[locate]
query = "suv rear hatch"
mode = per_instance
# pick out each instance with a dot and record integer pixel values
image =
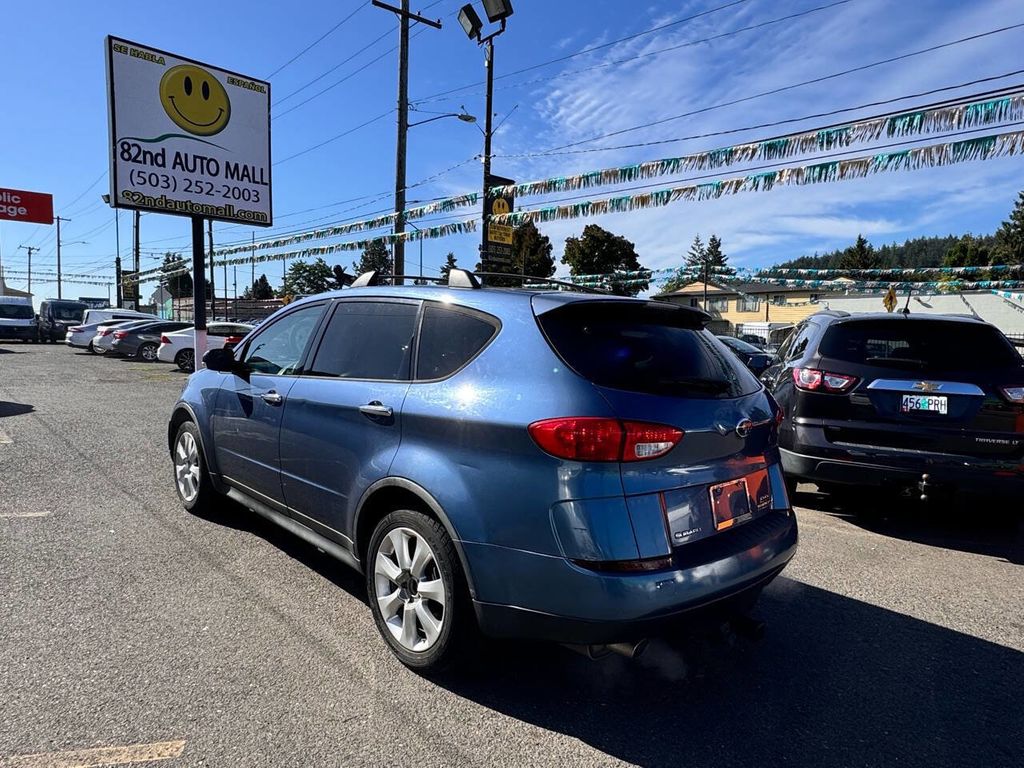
(923, 384)
(654, 363)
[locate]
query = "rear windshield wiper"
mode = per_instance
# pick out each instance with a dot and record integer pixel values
(899, 362)
(693, 382)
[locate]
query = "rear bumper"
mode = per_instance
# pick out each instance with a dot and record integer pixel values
(813, 457)
(18, 332)
(541, 597)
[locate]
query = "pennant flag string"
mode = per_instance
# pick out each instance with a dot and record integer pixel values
(929, 156)
(427, 233)
(946, 118)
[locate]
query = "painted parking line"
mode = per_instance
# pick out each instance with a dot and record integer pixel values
(24, 514)
(100, 756)
(5, 438)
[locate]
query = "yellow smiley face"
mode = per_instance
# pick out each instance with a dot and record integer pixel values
(195, 100)
(499, 206)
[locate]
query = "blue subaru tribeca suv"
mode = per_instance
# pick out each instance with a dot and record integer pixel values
(566, 466)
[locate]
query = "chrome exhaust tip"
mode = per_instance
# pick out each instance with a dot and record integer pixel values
(630, 650)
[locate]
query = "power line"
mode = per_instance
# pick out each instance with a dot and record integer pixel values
(87, 190)
(337, 66)
(787, 121)
(318, 40)
(590, 49)
(336, 137)
(791, 87)
(646, 54)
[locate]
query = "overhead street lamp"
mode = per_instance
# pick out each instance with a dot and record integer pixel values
(466, 118)
(497, 11)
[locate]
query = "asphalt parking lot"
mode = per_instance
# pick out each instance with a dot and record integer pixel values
(895, 638)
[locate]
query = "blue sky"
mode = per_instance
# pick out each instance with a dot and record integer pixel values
(53, 134)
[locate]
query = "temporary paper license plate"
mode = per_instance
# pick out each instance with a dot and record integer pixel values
(730, 503)
(929, 403)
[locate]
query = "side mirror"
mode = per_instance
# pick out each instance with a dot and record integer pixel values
(222, 360)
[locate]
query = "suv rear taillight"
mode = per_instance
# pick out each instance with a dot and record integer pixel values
(75, 329)
(813, 380)
(164, 340)
(106, 332)
(120, 334)
(599, 439)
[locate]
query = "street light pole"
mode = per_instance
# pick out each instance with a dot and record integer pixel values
(489, 64)
(31, 249)
(58, 219)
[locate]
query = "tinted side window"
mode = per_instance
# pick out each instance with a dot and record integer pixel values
(800, 341)
(368, 340)
(278, 349)
(448, 340)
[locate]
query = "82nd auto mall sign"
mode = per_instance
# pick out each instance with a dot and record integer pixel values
(187, 138)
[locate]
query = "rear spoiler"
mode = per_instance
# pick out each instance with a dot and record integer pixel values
(690, 317)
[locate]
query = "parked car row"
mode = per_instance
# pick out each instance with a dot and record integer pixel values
(151, 339)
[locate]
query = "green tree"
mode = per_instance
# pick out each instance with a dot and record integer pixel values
(968, 251)
(860, 255)
(599, 252)
(448, 265)
(531, 256)
(713, 253)
(1009, 245)
(698, 253)
(180, 285)
(305, 278)
(375, 258)
(261, 289)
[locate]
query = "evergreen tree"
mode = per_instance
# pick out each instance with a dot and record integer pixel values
(713, 253)
(375, 258)
(698, 253)
(861, 255)
(599, 252)
(968, 251)
(260, 290)
(1009, 245)
(180, 285)
(448, 265)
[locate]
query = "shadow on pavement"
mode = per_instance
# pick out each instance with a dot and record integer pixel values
(835, 682)
(14, 409)
(231, 515)
(992, 527)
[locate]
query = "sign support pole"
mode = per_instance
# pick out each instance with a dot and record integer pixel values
(198, 290)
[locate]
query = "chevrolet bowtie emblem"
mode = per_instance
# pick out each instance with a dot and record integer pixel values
(927, 386)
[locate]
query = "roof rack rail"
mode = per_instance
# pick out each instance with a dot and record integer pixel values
(530, 278)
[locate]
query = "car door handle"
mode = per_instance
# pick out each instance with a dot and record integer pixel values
(376, 409)
(272, 397)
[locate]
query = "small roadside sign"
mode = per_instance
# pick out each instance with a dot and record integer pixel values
(889, 302)
(498, 236)
(30, 207)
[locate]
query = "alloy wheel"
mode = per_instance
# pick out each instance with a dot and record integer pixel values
(186, 467)
(148, 353)
(409, 589)
(187, 360)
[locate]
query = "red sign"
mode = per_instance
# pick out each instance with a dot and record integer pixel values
(33, 207)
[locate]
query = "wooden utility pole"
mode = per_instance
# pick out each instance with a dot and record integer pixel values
(58, 219)
(404, 15)
(31, 249)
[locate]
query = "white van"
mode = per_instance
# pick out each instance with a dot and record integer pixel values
(93, 316)
(17, 319)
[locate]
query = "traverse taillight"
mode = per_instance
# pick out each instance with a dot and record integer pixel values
(599, 439)
(813, 380)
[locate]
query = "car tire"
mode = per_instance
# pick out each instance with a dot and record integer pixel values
(147, 352)
(191, 478)
(429, 631)
(186, 360)
(90, 349)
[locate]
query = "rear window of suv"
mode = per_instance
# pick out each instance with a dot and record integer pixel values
(919, 345)
(652, 348)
